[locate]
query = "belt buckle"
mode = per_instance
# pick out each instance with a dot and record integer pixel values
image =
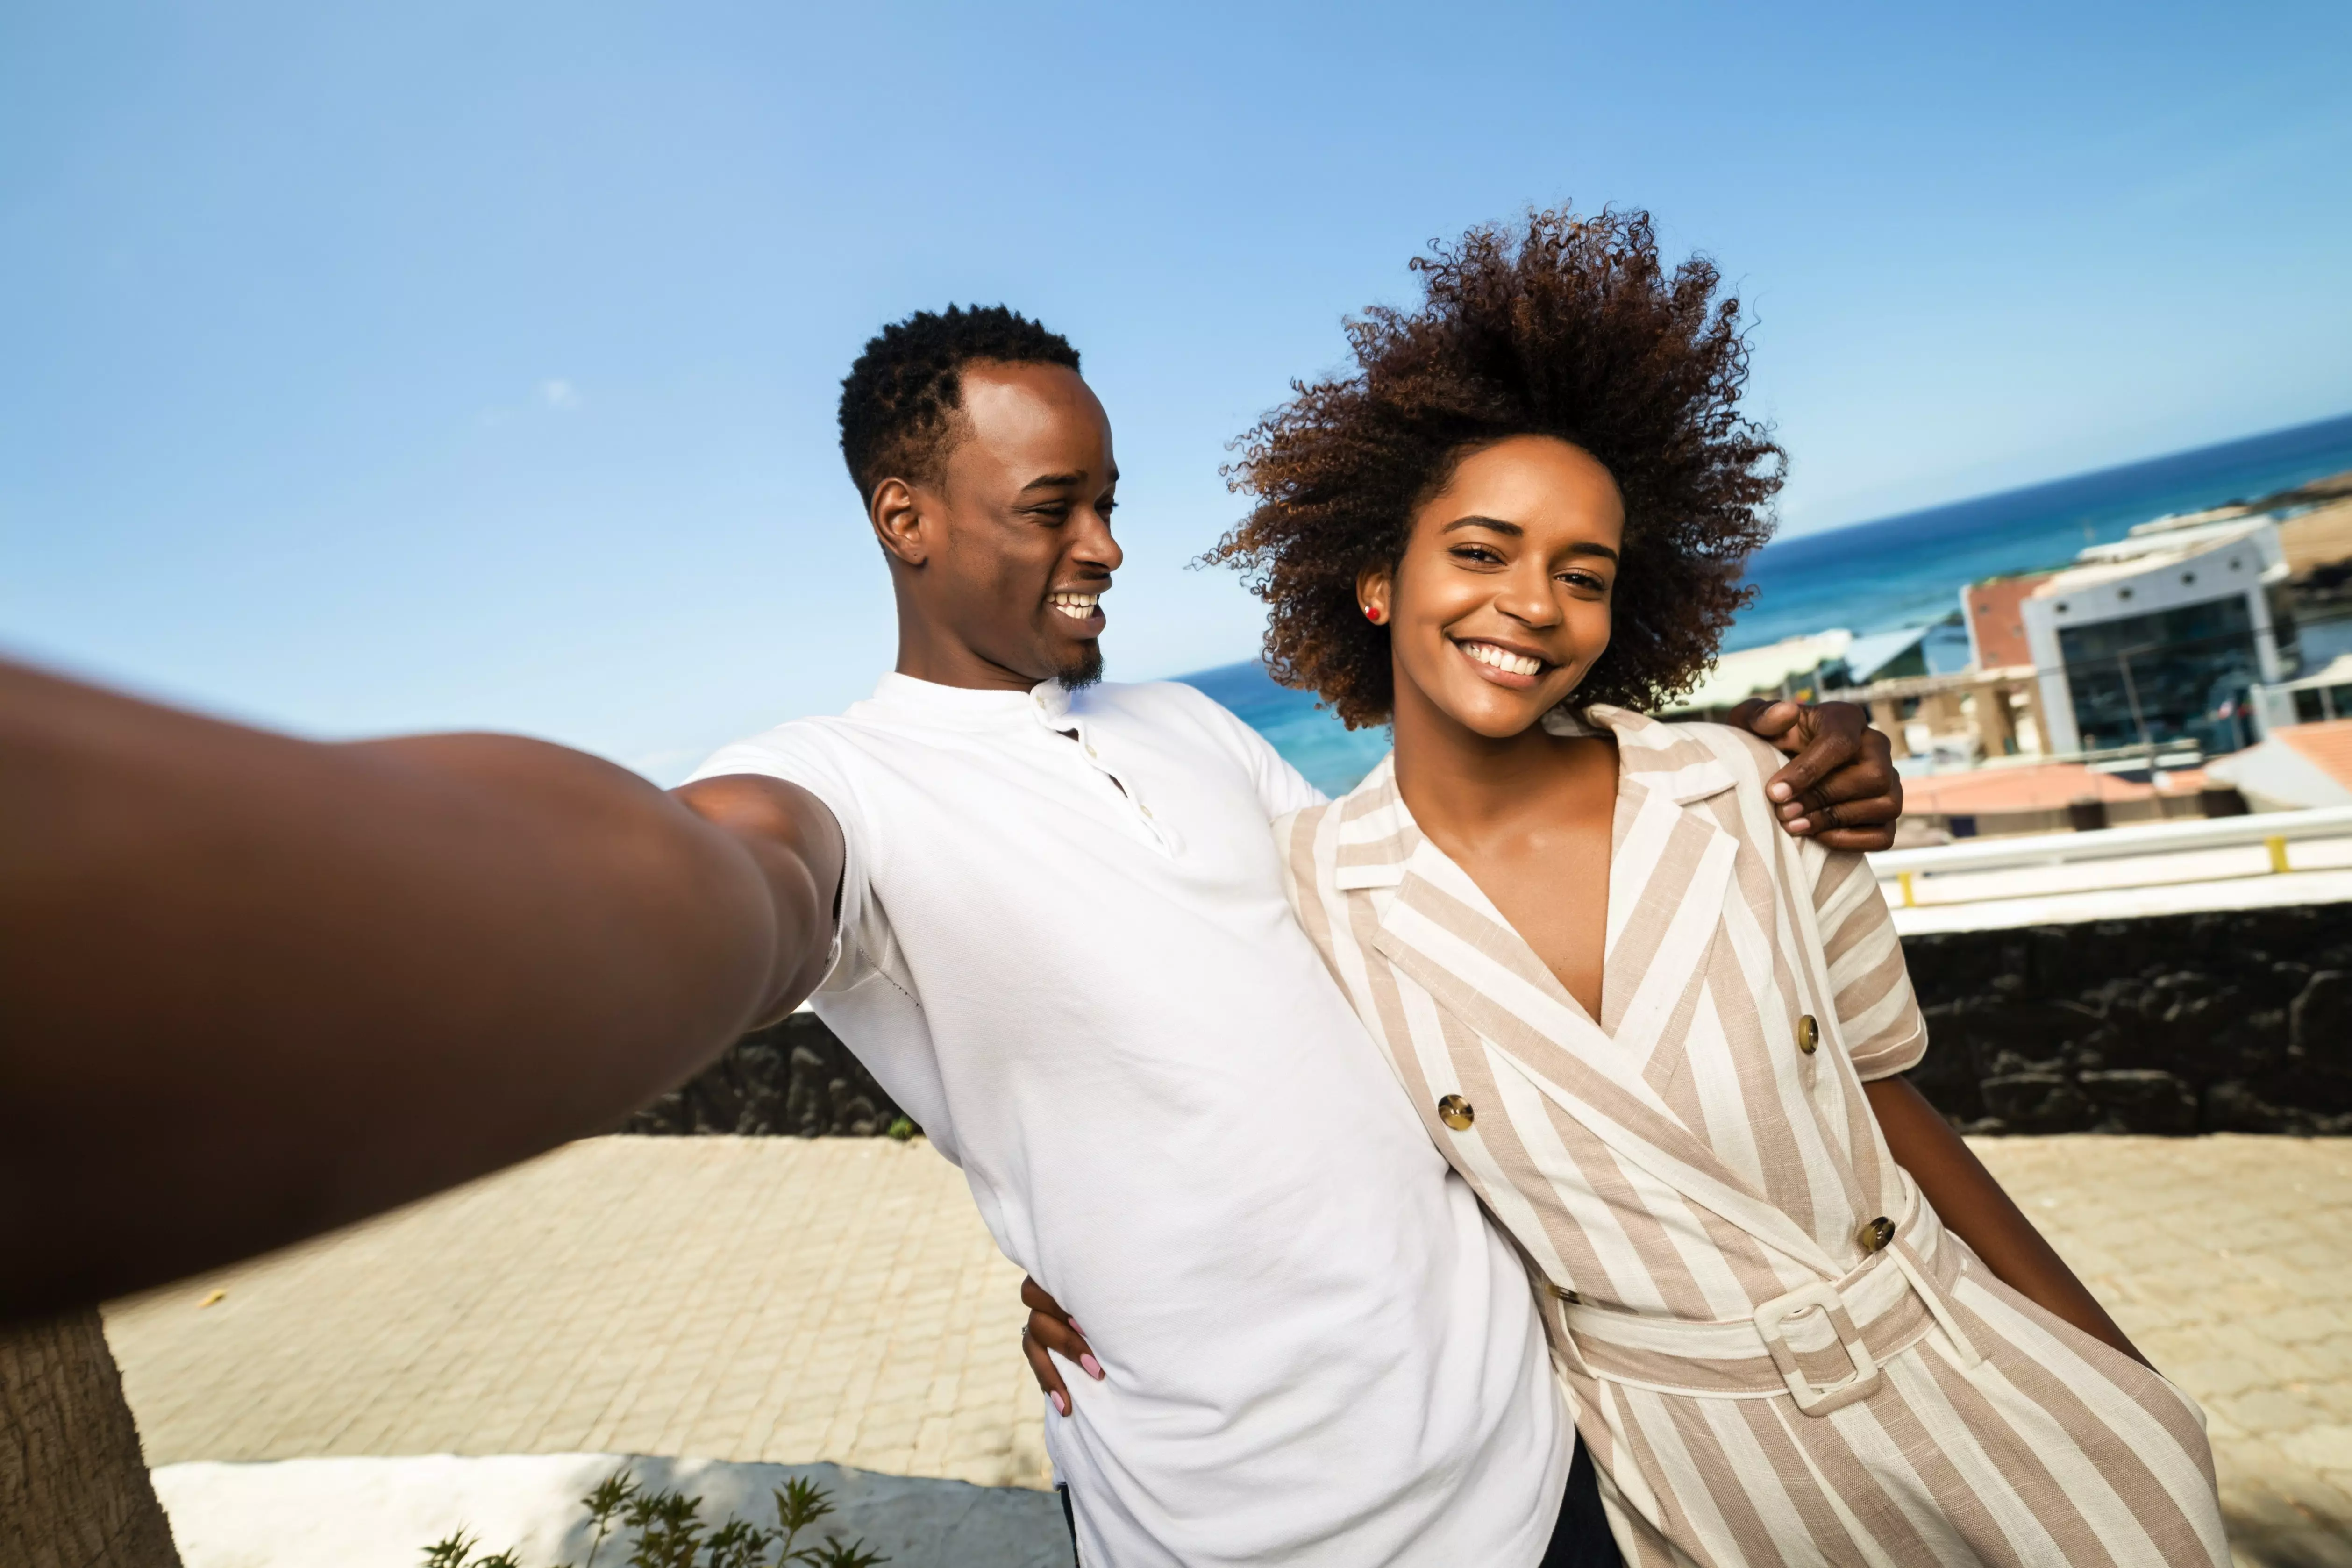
(1812, 1399)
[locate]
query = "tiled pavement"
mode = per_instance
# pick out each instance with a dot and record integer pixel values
(2229, 1261)
(731, 1298)
(795, 1301)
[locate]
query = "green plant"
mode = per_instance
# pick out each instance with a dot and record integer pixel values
(901, 1128)
(670, 1534)
(669, 1530)
(800, 1503)
(612, 1495)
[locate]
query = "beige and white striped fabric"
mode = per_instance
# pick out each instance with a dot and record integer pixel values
(1762, 1376)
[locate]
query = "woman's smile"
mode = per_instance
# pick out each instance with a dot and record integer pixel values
(1506, 666)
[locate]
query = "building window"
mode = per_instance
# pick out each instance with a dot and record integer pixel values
(2307, 706)
(2164, 677)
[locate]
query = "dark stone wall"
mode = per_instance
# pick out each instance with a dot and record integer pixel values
(2237, 1021)
(2233, 1022)
(795, 1077)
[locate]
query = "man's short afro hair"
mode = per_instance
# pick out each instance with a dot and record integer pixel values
(901, 397)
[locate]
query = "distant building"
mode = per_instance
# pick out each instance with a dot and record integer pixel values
(2308, 699)
(2161, 637)
(1993, 611)
(1886, 656)
(2300, 766)
(1798, 666)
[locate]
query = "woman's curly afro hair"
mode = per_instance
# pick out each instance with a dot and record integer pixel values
(1572, 329)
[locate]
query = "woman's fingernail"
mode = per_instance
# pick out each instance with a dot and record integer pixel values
(1799, 825)
(1062, 1402)
(1074, 1327)
(1094, 1367)
(1777, 790)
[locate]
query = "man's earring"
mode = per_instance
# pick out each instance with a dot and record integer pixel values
(1372, 614)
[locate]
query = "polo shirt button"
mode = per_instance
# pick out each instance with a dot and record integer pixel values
(1456, 1113)
(1091, 752)
(1145, 809)
(1808, 1034)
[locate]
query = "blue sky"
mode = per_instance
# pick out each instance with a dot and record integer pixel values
(473, 365)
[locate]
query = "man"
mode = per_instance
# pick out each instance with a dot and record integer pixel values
(1063, 947)
(1046, 913)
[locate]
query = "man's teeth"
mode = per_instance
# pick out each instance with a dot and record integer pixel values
(1078, 607)
(1503, 658)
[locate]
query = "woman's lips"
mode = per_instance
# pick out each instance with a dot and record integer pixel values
(1500, 666)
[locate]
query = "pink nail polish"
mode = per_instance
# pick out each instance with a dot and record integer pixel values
(1062, 1402)
(1075, 1329)
(1094, 1367)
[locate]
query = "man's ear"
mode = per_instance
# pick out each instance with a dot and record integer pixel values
(897, 513)
(1373, 585)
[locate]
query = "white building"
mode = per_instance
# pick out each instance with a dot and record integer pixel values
(2160, 637)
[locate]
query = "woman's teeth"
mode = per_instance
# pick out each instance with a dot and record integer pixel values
(1078, 607)
(1509, 663)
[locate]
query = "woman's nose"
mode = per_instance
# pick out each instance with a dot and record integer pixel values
(1527, 596)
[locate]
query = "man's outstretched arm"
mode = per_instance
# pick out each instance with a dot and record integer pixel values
(253, 988)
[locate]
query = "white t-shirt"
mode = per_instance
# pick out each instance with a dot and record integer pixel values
(1064, 949)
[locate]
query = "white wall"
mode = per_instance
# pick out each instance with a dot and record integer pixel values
(2231, 568)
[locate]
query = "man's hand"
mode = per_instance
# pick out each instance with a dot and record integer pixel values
(1050, 1329)
(1841, 786)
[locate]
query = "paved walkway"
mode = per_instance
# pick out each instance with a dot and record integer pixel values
(769, 1298)
(795, 1302)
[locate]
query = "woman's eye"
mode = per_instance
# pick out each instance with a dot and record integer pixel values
(1478, 552)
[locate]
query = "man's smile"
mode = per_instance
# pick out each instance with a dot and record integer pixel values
(1083, 607)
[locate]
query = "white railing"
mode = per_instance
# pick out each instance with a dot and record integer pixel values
(1909, 869)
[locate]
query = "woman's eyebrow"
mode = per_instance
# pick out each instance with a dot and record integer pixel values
(1496, 525)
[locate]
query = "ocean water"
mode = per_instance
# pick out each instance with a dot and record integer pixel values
(1907, 571)
(1897, 572)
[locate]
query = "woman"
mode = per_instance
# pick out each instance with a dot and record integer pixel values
(1661, 1039)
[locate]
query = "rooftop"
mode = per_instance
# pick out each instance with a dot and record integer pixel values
(2128, 558)
(2327, 746)
(1735, 676)
(2033, 786)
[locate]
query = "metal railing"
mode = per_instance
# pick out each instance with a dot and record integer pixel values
(2274, 830)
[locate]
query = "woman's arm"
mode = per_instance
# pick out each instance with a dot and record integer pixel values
(1978, 1212)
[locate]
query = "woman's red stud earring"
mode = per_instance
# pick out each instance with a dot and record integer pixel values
(1372, 614)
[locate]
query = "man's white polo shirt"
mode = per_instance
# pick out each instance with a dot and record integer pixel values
(1065, 951)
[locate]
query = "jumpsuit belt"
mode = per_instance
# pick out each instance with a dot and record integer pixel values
(1823, 1343)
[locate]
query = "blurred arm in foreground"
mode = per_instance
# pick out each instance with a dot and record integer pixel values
(253, 988)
